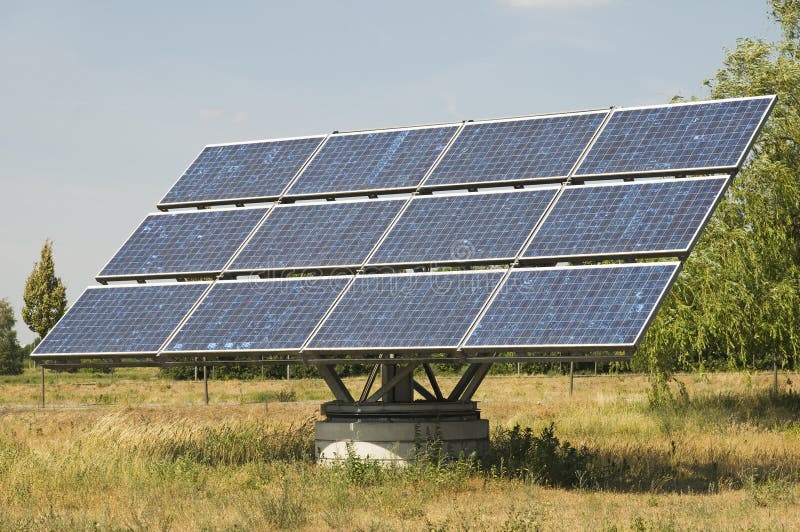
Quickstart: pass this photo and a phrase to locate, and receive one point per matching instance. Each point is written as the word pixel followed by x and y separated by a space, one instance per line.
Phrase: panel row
pixel 645 218
pixel 694 137
pixel 536 309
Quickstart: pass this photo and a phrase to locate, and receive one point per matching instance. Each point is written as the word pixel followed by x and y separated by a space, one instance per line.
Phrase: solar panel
pixel 121 320
pixel 682 137
pixel 272 315
pixel 405 312
pixel 462 228
pixel 655 217
pixel 373 161
pixel 179 243
pixel 321 235
pixel 253 170
pixel 573 307
pixel 513 150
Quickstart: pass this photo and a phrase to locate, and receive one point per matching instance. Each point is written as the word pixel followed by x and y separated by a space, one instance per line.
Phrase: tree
pixel 45 296
pixel 737 302
pixel 10 350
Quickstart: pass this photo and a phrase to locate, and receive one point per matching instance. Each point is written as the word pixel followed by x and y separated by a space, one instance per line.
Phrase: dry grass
pixel 728 457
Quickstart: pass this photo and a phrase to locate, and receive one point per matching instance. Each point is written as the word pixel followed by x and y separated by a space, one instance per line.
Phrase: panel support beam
pixel 373 374
pixel 334 382
pixel 402 373
pixel 462 382
pixel 468 383
pixel 423 391
pixel 476 381
pixel 434 383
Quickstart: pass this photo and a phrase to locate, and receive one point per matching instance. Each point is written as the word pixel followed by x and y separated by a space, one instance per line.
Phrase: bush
pixel 543 459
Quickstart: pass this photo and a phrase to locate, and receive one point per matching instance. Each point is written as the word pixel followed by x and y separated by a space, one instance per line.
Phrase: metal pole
pixel 205 381
pixel 42 386
pixel 518 364
pixel 288 375
pixel 775 376
pixel 571 377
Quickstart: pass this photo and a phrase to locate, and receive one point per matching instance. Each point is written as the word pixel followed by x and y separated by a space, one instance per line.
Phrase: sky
pixel 104 104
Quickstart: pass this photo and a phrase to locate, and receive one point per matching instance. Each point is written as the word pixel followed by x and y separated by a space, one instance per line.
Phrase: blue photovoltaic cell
pixel 240 171
pixel 579 306
pixel 414 310
pixel 129 319
pixel 630 218
pixel 463 227
pixel 329 234
pixel 373 161
pixel 516 150
pixel 183 242
pixel 675 137
pixel 258 315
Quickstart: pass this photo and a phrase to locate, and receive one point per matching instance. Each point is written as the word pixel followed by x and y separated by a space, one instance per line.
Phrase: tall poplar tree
pixel 10 350
pixel 45 296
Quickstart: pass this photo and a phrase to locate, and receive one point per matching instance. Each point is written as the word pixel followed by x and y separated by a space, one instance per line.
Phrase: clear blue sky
pixel 104 104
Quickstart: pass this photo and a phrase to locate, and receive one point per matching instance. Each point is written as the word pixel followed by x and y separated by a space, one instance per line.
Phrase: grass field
pixel 132 451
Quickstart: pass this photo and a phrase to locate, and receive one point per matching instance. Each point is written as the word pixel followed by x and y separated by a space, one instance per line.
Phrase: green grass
pixel 726 455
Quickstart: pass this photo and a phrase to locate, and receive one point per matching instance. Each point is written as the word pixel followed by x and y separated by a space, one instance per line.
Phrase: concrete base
pixel 397 432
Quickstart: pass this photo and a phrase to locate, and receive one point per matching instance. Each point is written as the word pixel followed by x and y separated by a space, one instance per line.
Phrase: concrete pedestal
pixel 396 432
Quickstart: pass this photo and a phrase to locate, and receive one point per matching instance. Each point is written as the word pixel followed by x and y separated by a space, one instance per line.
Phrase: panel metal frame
pixel 680 253
pixel 375 191
pixel 109 354
pixel 689 170
pixel 522 181
pixel 103 279
pixel 628 348
pixel 165 206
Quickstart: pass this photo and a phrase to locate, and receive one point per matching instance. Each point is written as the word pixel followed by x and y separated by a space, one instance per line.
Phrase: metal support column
pixel 205 381
pixel 571 377
pixel 42 386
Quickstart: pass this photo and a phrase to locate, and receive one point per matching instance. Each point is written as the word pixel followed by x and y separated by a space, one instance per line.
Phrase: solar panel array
pixel 237 172
pixel 507 307
pixel 574 307
pixel 420 312
pixel 463 228
pixel 373 161
pixel 123 319
pixel 182 243
pixel 513 150
pixel 650 217
pixel 343 233
pixel 274 315
pixel 708 135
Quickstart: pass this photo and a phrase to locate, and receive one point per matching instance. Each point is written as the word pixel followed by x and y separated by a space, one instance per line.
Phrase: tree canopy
pixel 45 296
pixel 737 301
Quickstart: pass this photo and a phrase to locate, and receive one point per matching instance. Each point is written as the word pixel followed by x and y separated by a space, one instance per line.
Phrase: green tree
pixel 45 296
pixel 737 302
pixel 10 350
